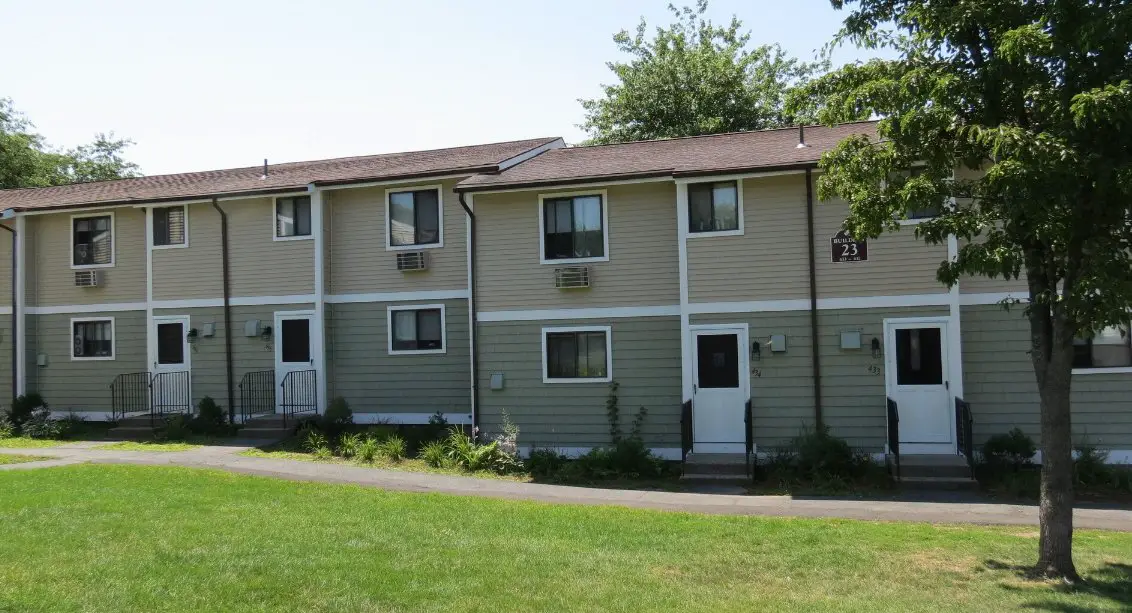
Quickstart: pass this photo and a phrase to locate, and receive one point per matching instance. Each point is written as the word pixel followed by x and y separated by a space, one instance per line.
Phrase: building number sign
pixel 844 248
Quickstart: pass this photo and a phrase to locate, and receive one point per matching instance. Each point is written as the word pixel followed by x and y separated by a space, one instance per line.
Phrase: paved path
pixel 228 458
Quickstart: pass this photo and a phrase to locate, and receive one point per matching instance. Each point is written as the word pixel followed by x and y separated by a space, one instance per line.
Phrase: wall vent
pixel 572 277
pixel 412 260
pixel 86 278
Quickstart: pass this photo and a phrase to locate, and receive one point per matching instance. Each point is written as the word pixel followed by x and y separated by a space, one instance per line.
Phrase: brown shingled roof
pixel 280 177
pixel 714 154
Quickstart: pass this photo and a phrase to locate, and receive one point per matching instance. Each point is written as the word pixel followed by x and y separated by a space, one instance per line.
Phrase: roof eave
pixel 566 181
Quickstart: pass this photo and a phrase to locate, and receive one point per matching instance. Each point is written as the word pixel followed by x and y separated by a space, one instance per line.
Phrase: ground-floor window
pixel 416 329
pixel 92 339
pixel 577 355
pixel 1110 348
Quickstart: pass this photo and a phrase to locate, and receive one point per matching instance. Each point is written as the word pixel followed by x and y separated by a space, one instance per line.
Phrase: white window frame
pixel 608 330
pixel 1103 370
pixel 542 198
pixel 738 203
pixel 416 307
pixel 71 240
pixel 915 222
pixel 275 220
pixel 113 339
pixel 389 246
pixel 153 237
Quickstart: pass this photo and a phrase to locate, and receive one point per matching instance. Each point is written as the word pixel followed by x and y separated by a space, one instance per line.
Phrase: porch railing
pixel 170 394
pixel 685 430
pixel 748 428
pixel 964 425
pixel 894 434
pixel 299 394
pixel 257 394
pixel 129 393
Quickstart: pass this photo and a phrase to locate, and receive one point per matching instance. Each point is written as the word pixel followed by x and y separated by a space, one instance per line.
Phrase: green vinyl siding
pixel 373 381
pixel 646 365
pixel 999 382
pixel 7 341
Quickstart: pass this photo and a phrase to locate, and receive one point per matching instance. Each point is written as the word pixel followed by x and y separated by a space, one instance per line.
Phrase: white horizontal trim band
pixel 672 310
pixel 235 301
pixel 444 294
pixel 991 298
pixel 86 308
pixel 824 304
pixel 6 310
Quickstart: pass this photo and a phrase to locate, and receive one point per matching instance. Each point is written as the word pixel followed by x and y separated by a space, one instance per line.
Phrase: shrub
pixel 315 442
pixel 7 430
pixel 348 445
pixel 392 448
pixel 337 418
pixel 40 424
pixel 210 419
pixel 71 425
pixel 437 426
pixel 435 455
pixel 820 454
pixel 628 459
pixel 1013 449
pixel 368 450
pixel 469 455
pixel 23 407
pixel 545 462
pixel 508 439
pixel 177 428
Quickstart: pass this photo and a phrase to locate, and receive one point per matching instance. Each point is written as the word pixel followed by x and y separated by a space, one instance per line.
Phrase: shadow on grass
pixel 1113 581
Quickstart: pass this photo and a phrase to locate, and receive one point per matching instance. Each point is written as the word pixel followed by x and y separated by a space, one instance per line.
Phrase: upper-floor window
pixel 573 228
pixel 169 226
pixel 414 218
pixel 92 241
pixel 293 217
pixel 1110 348
pixel 92 339
pixel 929 211
pixel 576 355
pixel 714 207
pixel 416 329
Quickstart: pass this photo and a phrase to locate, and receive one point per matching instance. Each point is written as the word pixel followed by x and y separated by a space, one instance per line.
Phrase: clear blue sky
pixel 215 84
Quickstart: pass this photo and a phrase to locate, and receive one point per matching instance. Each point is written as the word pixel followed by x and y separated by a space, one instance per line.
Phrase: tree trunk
pixel 1053 365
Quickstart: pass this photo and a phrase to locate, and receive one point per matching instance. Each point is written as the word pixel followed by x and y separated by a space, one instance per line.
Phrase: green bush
pixel 72 425
pixel 314 441
pixel 545 462
pixel 820 454
pixel 472 456
pixel 392 448
pixel 177 428
pixel 210 419
pixel 435 455
pixel 348 445
pixel 40 425
pixel 337 418
pixel 23 407
pixel 7 430
pixel 1013 449
pixel 368 450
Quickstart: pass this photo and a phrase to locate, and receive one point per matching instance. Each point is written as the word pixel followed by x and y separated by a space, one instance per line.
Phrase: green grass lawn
pixel 10 458
pixel 23 442
pixel 149 446
pixel 128 538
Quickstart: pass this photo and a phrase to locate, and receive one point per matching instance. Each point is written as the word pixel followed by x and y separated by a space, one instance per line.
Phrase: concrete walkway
pixel 228 458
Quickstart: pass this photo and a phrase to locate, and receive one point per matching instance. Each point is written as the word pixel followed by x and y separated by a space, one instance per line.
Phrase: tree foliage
pixel 694 77
pixel 26 160
pixel 1031 102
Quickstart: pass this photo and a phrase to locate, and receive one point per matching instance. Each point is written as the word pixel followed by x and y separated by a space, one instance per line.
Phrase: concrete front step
pixel 934 466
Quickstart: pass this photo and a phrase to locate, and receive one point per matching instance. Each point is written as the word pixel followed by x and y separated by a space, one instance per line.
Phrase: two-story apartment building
pixel 698 272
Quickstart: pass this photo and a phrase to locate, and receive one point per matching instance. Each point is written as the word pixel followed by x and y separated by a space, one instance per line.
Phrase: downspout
pixel 472 310
pixel 15 315
pixel 227 311
pixel 815 343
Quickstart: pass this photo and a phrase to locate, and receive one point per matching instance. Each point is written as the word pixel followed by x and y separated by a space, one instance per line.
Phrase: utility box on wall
pixel 251 328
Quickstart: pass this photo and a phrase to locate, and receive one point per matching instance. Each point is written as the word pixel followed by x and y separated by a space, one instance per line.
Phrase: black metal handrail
pixel 964 426
pixel 257 394
pixel 894 434
pixel 300 393
pixel 169 394
pixel 685 430
pixel 129 393
pixel 748 427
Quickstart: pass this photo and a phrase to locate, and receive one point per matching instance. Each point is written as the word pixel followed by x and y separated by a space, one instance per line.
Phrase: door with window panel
pixel 917 375
pixel 296 372
pixel 170 371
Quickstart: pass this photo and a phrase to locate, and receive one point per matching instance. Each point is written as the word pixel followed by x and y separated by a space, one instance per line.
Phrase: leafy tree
pixel 692 78
pixel 1032 101
pixel 26 160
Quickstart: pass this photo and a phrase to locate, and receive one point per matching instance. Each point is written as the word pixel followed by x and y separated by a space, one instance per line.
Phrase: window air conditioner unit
pixel 412 260
pixel 86 278
pixel 572 277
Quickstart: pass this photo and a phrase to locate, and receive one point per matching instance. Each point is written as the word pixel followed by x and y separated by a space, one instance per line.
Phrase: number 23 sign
pixel 843 248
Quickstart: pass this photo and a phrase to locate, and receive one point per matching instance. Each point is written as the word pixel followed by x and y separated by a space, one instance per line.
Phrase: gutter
pixel 15 312
pixel 472 323
pixel 815 344
pixel 227 311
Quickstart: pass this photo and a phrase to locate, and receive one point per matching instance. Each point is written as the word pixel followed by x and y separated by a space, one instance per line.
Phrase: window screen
pixel 415 330
pixel 171 343
pixel 919 356
pixel 293 216
pixel 414 217
pixel 93 339
pixel 713 207
pixel 573 228
pixel 92 241
pixel 296 338
pixel 576 355
pixel 717 357
pixel 169 226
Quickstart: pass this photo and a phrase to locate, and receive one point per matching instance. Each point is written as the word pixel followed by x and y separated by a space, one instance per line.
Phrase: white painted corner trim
pixel 672 310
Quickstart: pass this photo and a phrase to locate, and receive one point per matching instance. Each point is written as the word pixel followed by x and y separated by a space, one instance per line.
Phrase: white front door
pixel 170 364
pixel 296 379
pixel 720 389
pixel 917 378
